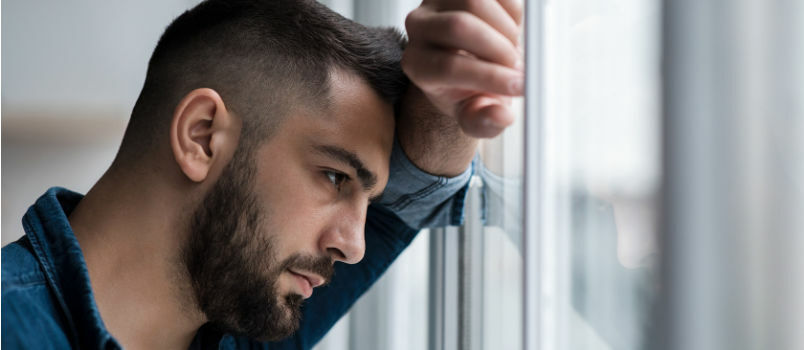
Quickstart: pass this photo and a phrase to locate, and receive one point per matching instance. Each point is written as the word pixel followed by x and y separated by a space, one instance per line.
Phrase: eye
pixel 337 179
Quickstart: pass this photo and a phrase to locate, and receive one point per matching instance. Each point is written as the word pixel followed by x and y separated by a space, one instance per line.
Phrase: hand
pixel 464 56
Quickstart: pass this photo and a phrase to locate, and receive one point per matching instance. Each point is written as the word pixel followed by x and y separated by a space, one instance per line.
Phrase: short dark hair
pixel 262 57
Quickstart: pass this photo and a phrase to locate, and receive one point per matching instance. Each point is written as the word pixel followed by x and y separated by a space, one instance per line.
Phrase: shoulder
pixel 29 312
pixel 20 269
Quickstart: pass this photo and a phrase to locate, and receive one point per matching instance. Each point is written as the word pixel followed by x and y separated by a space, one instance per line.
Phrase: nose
pixel 344 240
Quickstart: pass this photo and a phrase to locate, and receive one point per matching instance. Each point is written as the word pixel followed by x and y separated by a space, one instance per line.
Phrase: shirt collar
pixel 55 246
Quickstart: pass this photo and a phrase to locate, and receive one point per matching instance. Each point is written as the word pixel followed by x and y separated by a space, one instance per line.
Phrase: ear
pixel 202 133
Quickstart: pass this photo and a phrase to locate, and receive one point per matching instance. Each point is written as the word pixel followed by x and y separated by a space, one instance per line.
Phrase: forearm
pixel 433 142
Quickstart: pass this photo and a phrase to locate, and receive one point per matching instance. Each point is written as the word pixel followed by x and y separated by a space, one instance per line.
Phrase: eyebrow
pixel 367 178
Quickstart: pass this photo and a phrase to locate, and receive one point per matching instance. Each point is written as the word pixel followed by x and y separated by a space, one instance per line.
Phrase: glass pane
pixel 601 175
pixel 501 237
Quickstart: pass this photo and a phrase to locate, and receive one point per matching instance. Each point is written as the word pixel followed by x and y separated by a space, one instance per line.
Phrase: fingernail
pixel 488 123
pixel 519 65
pixel 517 86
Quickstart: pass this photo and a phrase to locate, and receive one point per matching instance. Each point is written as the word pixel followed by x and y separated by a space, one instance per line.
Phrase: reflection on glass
pixel 502 236
pixel 601 173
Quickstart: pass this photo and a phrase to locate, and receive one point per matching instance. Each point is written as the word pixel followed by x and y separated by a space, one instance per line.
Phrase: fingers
pixel 484 116
pixel 462 31
pixel 500 15
pixel 514 9
pixel 495 14
pixel 434 69
pixel 465 56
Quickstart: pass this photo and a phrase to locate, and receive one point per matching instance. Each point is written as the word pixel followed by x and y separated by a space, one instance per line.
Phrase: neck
pixel 130 233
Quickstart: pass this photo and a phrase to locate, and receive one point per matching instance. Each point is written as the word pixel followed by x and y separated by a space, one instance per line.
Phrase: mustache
pixel 322 266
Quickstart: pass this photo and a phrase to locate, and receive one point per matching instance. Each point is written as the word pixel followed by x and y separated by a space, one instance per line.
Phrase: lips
pixel 306 282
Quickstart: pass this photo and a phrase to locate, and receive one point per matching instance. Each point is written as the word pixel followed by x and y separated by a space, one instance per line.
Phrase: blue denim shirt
pixel 47 300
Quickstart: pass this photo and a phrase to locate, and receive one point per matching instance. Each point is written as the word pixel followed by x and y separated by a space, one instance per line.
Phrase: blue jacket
pixel 48 303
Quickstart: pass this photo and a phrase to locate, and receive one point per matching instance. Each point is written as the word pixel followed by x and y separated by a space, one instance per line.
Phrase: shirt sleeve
pixel 422 200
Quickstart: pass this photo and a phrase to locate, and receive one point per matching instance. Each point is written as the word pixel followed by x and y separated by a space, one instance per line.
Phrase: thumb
pixel 484 116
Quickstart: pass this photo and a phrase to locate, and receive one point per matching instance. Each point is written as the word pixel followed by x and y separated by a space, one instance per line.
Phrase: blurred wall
pixel 72 71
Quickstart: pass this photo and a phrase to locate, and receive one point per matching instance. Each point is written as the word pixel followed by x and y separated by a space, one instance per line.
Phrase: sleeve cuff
pixel 423 200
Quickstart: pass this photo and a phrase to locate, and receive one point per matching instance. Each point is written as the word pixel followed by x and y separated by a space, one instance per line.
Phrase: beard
pixel 232 263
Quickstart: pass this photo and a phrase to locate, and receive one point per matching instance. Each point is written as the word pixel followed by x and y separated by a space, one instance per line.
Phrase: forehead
pixel 355 118
pixel 349 93
pixel 356 113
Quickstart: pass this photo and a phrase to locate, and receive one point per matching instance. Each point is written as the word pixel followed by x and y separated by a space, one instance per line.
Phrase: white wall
pixel 71 73
pixel 80 54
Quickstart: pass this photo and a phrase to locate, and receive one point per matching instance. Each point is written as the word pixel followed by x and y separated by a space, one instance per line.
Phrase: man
pixel 255 156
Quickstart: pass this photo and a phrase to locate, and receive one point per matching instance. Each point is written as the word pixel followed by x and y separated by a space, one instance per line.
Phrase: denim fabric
pixel 424 200
pixel 47 300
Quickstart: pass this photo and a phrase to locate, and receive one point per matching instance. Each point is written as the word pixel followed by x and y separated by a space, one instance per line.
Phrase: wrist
pixel 431 140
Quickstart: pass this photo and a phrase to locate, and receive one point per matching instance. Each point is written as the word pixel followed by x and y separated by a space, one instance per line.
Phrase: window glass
pixel 601 176
pixel 501 234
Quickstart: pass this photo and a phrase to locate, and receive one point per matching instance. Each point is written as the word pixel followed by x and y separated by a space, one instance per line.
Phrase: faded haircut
pixel 263 57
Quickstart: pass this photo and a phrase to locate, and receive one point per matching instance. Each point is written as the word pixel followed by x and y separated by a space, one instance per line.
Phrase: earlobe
pixel 201 133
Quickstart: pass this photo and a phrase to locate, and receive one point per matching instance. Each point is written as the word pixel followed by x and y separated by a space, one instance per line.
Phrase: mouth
pixel 306 282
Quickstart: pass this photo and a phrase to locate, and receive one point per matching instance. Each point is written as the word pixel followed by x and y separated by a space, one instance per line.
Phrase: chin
pixel 287 322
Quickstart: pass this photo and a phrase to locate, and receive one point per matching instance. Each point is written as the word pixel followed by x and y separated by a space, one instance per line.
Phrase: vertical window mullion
pixel 470 272
pixel 532 198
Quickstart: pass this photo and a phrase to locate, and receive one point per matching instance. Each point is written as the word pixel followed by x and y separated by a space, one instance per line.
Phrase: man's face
pixel 276 221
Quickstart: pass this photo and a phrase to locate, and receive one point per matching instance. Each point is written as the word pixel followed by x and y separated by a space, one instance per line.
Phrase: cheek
pixel 296 219
pixel 299 205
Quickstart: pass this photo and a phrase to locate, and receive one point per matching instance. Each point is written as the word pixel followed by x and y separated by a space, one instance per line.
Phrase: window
pixel 594 176
pixel 654 173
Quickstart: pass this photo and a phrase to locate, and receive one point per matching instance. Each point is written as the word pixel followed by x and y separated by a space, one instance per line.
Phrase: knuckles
pixel 430 69
pixel 473 6
pixel 457 24
pixel 412 21
pixel 446 65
